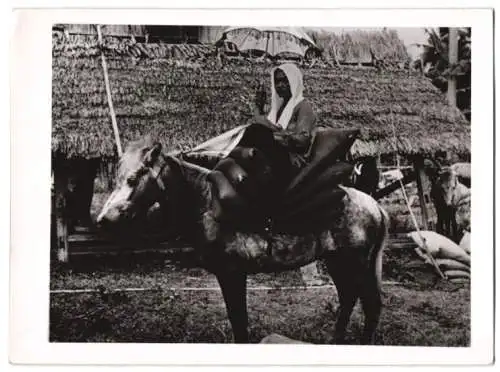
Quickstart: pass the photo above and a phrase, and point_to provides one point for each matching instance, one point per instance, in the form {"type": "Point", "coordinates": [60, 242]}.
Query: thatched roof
{"type": "Point", "coordinates": [362, 46]}
{"type": "Point", "coordinates": [182, 97]}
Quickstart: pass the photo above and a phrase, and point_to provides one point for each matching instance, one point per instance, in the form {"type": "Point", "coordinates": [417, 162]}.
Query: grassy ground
{"type": "Point", "coordinates": [410, 317]}
{"type": "Point", "coordinates": [421, 310]}
{"type": "Point", "coordinates": [430, 318]}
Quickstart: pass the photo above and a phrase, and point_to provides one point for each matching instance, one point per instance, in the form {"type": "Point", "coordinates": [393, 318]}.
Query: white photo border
{"type": "Point", "coordinates": [31, 82]}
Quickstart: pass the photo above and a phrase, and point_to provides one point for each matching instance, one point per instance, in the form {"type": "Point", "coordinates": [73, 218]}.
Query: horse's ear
{"type": "Point", "coordinates": [152, 155]}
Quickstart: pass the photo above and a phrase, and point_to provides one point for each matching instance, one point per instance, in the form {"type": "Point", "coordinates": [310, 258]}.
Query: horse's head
{"type": "Point", "coordinates": [447, 183]}
{"type": "Point", "coordinates": [144, 179]}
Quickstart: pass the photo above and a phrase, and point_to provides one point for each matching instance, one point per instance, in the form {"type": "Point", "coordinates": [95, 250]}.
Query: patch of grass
{"type": "Point", "coordinates": [423, 311]}
{"type": "Point", "coordinates": [146, 271]}
{"type": "Point", "coordinates": [423, 318]}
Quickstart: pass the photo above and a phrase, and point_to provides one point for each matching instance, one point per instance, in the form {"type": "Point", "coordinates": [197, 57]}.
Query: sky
{"type": "Point", "coordinates": [408, 35]}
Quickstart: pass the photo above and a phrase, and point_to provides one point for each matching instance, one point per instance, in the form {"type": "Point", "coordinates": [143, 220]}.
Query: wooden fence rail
{"type": "Point", "coordinates": [92, 243]}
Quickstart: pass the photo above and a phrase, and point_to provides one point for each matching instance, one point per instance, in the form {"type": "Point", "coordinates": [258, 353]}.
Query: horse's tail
{"type": "Point", "coordinates": [378, 249]}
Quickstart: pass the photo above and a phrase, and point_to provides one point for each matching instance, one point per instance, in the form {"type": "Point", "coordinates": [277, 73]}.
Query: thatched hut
{"type": "Point", "coordinates": [361, 47]}
{"type": "Point", "coordinates": [151, 33]}
{"type": "Point", "coordinates": [183, 95]}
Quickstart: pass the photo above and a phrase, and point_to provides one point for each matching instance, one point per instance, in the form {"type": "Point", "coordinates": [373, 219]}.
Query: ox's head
{"type": "Point", "coordinates": [447, 183]}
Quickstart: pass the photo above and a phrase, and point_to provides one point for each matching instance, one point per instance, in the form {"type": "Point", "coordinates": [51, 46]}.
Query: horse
{"type": "Point", "coordinates": [352, 247]}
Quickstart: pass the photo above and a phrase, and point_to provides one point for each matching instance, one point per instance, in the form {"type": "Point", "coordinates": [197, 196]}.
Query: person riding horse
{"type": "Point", "coordinates": [292, 114]}
{"type": "Point", "coordinates": [304, 165]}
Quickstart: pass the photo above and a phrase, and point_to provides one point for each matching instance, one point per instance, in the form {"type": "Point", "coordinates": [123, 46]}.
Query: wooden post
{"type": "Point", "coordinates": [53, 224]}
{"type": "Point", "coordinates": [453, 60]}
{"type": "Point", "coordinates": [60, 189]}
{"type": "Point", "coordinates": [418, 164]}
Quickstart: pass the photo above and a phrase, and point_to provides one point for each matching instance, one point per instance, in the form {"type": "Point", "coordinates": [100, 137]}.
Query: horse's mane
{"type": "Point", "coordinates": [196, 177]}
{"type": "Point", "coordinates": [192, 172]}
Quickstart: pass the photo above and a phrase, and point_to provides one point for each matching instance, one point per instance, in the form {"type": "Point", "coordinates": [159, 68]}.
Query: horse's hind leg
{"type": "Point", "coordinates": [371, 296]}
{"type": "Point", "coordinates": [347, 289]}
{"type": "Point", "coordinates": [371, 302]}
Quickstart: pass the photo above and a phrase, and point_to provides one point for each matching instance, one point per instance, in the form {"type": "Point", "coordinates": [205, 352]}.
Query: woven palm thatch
{"type": "Point", "coordinates": [180, 95]}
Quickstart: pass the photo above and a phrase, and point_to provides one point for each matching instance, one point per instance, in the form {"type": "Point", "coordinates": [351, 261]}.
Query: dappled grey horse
{"type": "Point", "coordinates": [351, 245]}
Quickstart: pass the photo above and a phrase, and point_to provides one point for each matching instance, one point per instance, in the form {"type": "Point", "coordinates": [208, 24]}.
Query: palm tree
{"type": "Point", "coordinates": [435, 56]}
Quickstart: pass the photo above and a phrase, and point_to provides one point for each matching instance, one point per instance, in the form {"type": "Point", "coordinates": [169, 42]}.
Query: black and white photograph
{"type": "Point", "coordinates": [229, 184]}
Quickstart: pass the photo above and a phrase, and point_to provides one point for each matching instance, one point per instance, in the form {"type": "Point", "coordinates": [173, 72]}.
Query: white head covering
{"type": "Point", "coordinates": [294, 77]}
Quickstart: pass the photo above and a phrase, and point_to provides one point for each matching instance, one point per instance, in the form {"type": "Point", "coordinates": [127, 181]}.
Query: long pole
{"type": "Point", "coordinates": [452, 61]}
{"type": "Point", "coordinates": [108, 93]}
{"type": "Point", "coordinates": [265, 65]}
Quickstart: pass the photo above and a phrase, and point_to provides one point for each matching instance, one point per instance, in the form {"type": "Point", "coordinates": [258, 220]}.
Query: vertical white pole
{"type": "Point", "coordinates": [108, 93]}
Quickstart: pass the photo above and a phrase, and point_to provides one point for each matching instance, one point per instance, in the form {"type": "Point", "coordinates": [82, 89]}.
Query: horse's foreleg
{"type": "Point", "coordinates": [234, 291]}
